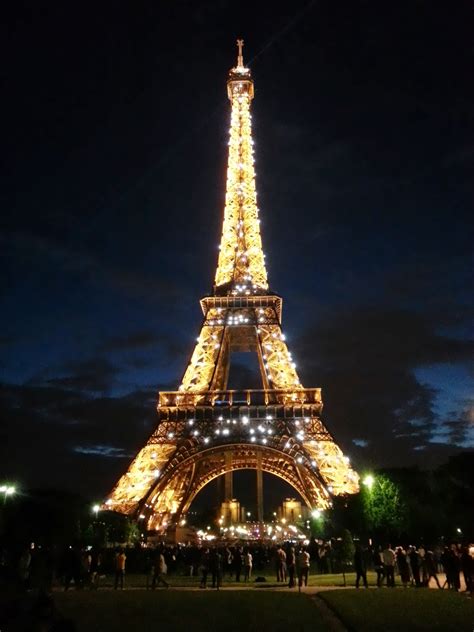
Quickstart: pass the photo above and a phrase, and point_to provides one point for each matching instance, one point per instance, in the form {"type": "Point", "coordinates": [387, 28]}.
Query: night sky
{"type": "Point", "coordinates": [115, 129]}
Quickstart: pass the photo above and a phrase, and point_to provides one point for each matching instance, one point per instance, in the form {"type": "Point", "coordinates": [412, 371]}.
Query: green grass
{"type": "Point", "coordinates": [182, 581]}
{"type": "Point", "coordinates": [231, 611]}
{"type": "Point", "coordinates": [399, 609]}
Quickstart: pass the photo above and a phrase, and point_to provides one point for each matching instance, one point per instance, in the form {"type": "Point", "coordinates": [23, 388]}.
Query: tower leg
{"type": "Point", "coordinates": [259, 489]}
{"type": "Point", "coordinates": [228, 478]}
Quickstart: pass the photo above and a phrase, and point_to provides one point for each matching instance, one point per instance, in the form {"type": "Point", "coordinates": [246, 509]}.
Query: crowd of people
{"type": "Point", "coordinates": [85, 567]}
{"type": "Point", "coordinates": [237, 562]}
{"type": "Point", "coordinates": [417, 566]}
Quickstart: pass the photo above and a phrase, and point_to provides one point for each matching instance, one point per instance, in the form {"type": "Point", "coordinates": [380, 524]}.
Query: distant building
{"type": "Point", "coordinates": [231, 512]}
{"type": "Point", "coordinates": [292, 510]}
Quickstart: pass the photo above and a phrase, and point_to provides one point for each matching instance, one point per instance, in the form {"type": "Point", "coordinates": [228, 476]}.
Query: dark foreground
{"type": "Point", "coordinates": [254, 610]}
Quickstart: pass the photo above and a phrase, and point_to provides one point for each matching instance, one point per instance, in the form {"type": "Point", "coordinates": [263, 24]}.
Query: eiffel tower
{"type": "Point", "coordinates": [206, 431]}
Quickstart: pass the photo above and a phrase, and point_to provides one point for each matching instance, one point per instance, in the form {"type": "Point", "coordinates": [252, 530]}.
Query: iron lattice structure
{"type": "Point", "coordinates": [204, 430]}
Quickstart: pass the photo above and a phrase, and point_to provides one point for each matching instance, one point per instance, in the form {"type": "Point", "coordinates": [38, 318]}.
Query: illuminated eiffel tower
{"type": "Point", "coordinates": [205, 431]}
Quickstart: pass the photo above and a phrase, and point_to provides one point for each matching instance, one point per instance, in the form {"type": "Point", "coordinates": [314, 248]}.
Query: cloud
{"type": "Point", "coordinates": [362, 443]}
{"type": "Point", "coordinates": [94, 375]}
{"type": "Point", "coordinates": [384, 337]}
{"type": "Point", "coordinates": [458, 427]}
{"type": "Point", "coordinates": [137, 340]}
{"type": "Point", "coordinates": [70, 258]}
{"type": "Point", "coordinates": [52, 436]}
{"type": "Point", "coordinates": [364, 358]}
{"type": "Point", "coordinates": [103, 450]}
{"type": "Point", "coordinates": [5, 341]}
{"type": "Point", "coordinates": [143, 341]}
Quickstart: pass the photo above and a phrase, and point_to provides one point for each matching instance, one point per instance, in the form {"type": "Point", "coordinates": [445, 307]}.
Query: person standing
{"type": "Point", "coordinates": [228, 560]}
{"type": "Point", "coordinates": [248, 560]}
{"type": "Point", "coordinates": [388, 558]}
{"type": "Point", "coordinates": [467, 569]}
{"type": "Point", "coordinates": [422, 565]}
{"type": "Point", "coordinates": [238, 563]}
{"type": "Point", "coordinates": [204, 567]}
{"type": "Point", "coordinates": [303, 567]}
{"type": "Point", "coordinates": [291, 566]}
{"type": "Point", "coordinates": [120, 560]}
{"type": "Point", "coordinates": [360, 566]}
{"type": "Point", "coordinates": [281, 565]}
{"type": "Point", "coordinates": [414, 565]}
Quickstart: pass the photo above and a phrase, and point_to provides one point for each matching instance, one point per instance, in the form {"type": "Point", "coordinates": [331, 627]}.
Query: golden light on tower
{"type": "Point", "coordinates": [241, 259]}
{"type": "Point", "coordinates": [206, 430]}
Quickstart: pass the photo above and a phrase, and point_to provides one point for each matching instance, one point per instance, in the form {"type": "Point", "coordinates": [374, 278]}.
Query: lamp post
{"type": "Point", "coordinates": [369, 481]}
{"type": "Point", "coordinates": [7, 490]}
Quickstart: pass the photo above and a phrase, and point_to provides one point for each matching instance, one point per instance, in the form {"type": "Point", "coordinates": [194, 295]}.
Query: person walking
{"type": "Point", "coordinates": [96, 562]}
{"type": "Point", "coordinates": [430, 565]}
{"type": "Point", "coordinates": [388, 558]}
{"type": "Point", "coordinates": [120, 561]}
{"type": "Point", "coordinates": [24, 568]}
{"type": "Point", "coordinates": [215, 566]}
{"type": "Point", "coordinates": [378, 566]}
{"type": "Point", "coordinates": [159, 570]}
{"type": "Point", "coordinates": [360, 566]}
{"type": "Point", "coordinates": [403, 567]}
{"type": "Point", "coordinates": [72, 568]}
{"type": "Point", "coordinates": [414, 565]}
{"type": "Point", "coordinates": [303, 567]}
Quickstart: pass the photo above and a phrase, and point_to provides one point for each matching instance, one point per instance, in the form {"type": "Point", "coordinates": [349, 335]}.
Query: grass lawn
{"type": "Point", "coordinates": [172, 611]}
{"type": "Point", "coordinates": [139, 580]}
{"type": "Point", "coordinates": [399, 609]}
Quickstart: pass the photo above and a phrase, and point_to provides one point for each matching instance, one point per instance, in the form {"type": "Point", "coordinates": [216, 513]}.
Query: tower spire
{"type": "Point", "coordinates": [241, 264]}
{"type": "Point", "coordinates": [240, 59]}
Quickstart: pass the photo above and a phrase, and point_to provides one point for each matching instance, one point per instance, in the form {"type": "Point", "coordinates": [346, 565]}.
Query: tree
{"type": "Point", "coordinates": [346, 552]}
{"type": "Point", "coordinates": [384, 509]}
{"type": "Point", "coordinates": [117, 528]}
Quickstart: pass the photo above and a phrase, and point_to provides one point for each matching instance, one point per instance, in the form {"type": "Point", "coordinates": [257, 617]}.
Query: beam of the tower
{"type": "Point", "coordinates": [241, 264]}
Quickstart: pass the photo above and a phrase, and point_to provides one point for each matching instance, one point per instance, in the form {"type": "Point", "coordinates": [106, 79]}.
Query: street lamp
{"type": "Point", "coordinates": [96, 509]}
{"type": "Point", "coordinates": [316, 513]}
{"type": "Point", "coordinates": [7, 490]}
{"type": "Point", "coordinates": [369, 481]}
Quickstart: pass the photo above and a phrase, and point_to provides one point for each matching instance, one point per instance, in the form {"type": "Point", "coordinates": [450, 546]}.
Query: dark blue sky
{"type": "Point", "coordinates": [115, 139]}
